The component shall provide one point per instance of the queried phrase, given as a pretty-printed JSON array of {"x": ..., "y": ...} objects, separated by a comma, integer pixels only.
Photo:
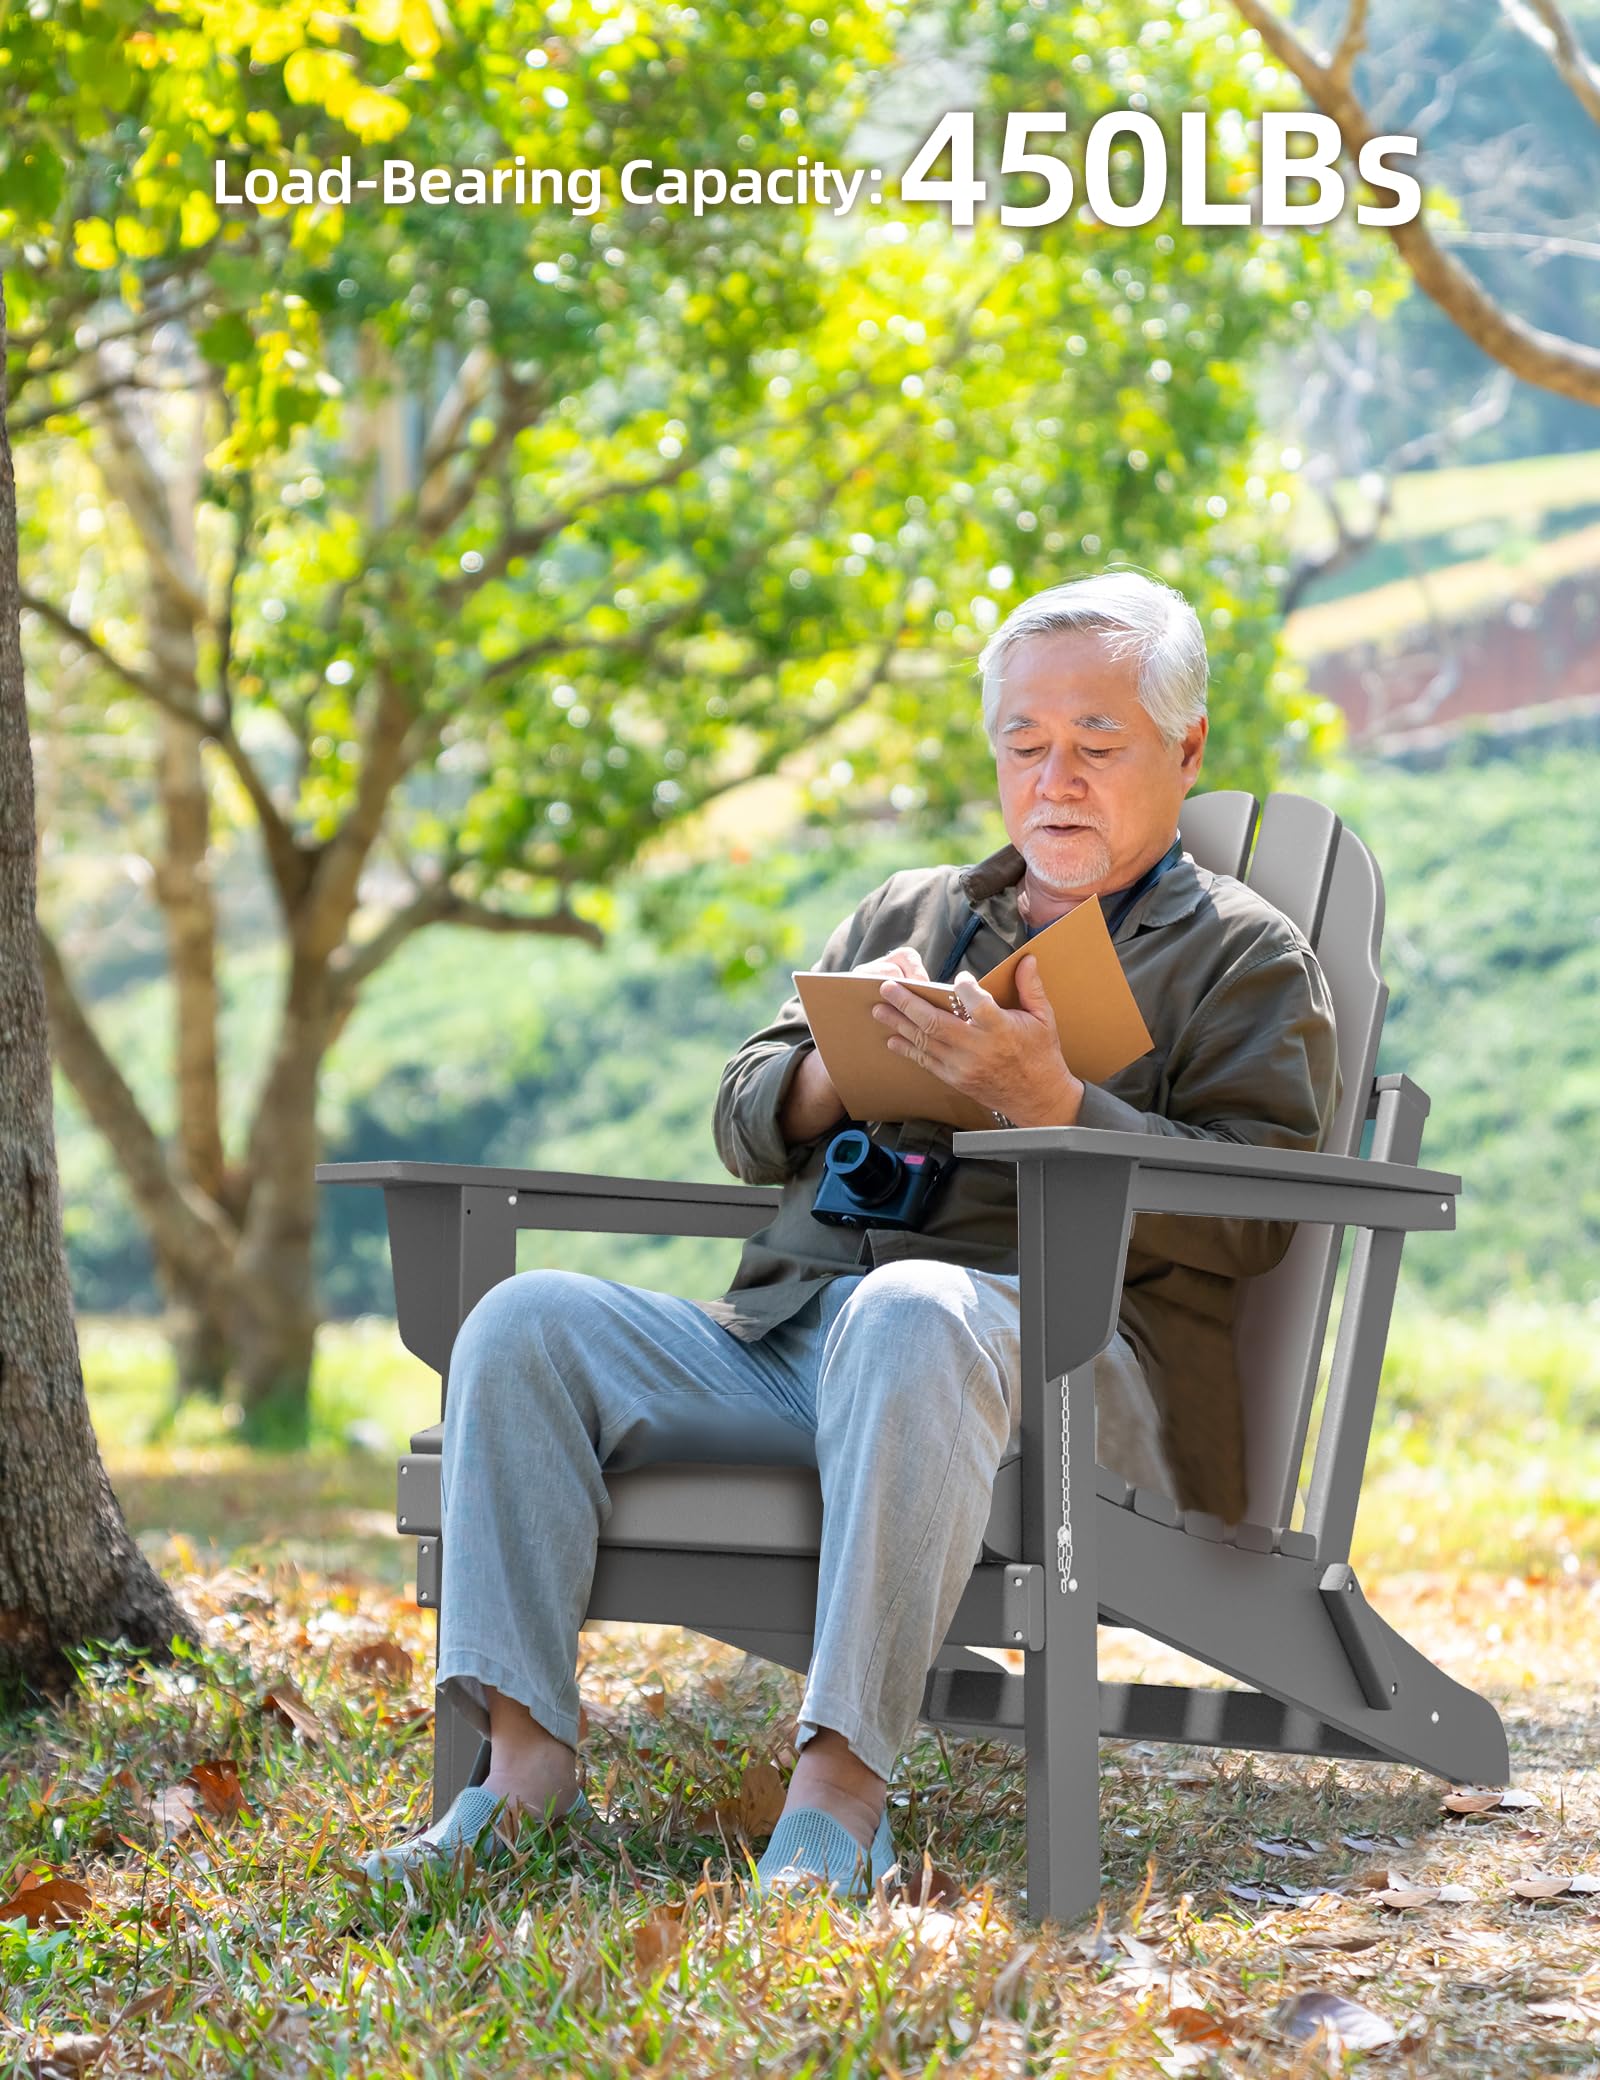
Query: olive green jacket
[{"x": 1244, "y": 1051}]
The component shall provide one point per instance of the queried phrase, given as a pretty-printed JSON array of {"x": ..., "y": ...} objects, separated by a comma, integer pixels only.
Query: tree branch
[
  {"x": 384, "y": 760},
  {"x": 1543, "y": 23},
  {"x": 188, "y": 1227},
  {"x": 1567, "y": 367},
  {"x": 137, "y": 681}
]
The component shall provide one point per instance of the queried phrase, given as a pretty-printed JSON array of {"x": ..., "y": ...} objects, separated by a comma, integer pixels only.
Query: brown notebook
[{"x": 1099, "y": 1023}]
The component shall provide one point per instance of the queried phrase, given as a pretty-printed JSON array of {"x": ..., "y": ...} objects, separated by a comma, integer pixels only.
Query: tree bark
[{"x": 69, "y": 1568}]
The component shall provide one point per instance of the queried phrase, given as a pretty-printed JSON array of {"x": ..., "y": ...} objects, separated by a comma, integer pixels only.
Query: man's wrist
[{"x": 1057, "y": 1108}]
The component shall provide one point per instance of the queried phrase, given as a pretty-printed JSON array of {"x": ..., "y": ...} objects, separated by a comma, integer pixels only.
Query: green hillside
[{"x": 494, "y": 1051}]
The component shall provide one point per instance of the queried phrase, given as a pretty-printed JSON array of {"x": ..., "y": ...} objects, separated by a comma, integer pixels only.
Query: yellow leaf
[
  {"x": 379, "y": 20},
  {"x": 277, "y": 37},
  {"x": 197, "y": 219},
  {"x": 419, "y": 32},
  {"x": 93, "y": 245},
  {"x": 315, "y": 75},
  {"x": 372, "y": 116}
]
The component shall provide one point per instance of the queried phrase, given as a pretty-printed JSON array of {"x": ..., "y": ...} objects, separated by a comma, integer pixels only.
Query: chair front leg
[
  {"x": 1073, "y": 1221},
  {"x": 1061, "y": 1691}
]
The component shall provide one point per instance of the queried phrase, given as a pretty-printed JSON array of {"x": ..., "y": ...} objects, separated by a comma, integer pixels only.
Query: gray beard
[{"x": 1093, "y": 870}]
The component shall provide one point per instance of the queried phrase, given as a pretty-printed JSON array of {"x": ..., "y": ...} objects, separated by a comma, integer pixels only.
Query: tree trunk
[
  {"x": 69, "y": 1569},
  {"x": 274, "y": 1284}
]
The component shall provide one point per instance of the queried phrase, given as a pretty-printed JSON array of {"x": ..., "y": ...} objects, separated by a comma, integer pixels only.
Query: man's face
[{"x": 1088, "y": 807}]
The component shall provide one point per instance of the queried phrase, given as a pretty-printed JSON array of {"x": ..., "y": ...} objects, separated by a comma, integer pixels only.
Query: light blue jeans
[{"x": 899, "y": 1384}]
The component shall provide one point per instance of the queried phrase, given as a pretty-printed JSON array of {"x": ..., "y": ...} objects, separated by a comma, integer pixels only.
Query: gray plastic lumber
[
  {"x": 1361, "y": 1633},
  {"x": 986, "y": 1704},
  {"x": 1262, "y": 1619},
  {"x": 459, "y": 1750},
  {"x": 559, "y": 1183},
  {"x": 1340, "y": 1461},
  {"x": 1281, "y": 1318},
  {"x": 453, "y": 1228},
  {"x": 1269, "y": 1184},
  {"x": 1292, "y": 864},
  {"x": 776, "y": 1593},
  {"x": 1216, "y": 829},
  {"x": 1072, "y": 1242}
]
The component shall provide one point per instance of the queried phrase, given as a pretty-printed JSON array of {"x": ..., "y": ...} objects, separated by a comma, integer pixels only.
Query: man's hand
[
  {"x": 811, "y": 1104},
  {"x": 1009, "y": 1061}
]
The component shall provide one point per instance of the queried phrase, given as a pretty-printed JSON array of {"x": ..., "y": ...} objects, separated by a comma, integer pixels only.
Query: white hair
[{"x": 1140, "y": 617}]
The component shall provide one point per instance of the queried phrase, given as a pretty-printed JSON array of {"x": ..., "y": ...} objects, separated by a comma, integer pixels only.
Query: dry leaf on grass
[
  {"x": 923, "y": 1884},
  {"x": 1370, "y": 1844},
  {"x": 285, "y": 1705},
  {"x": 45, "y": 1901},
  {"x": 1399, "y": 1898},
  {"x": 1346, "y": 2025},
  {"x": 216, "y": 1780},
  {"x": 385, "y": 1659},
  {"x": 753, "y": 1809},
  {"x": 1469, "y": 1802},
  {"x": 1288, "y": 1845},
  {"x": 66, "y": 2058},
  {"x": 1389, "y": 1880},
  {"x": 159, "y": 2001},
  {"x": 173, "y": 1809},
  {"x": 1540, "y": 1885},
  {"x": 658, "y": 1937},
  {"x": 1198, "y": 2026}
]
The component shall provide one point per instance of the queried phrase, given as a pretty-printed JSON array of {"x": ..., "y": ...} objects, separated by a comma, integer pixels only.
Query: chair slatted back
[{"x": 1319, "y": 874}]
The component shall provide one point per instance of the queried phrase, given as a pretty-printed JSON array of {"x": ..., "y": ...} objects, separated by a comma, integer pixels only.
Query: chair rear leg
[{"x": 460, "y": 1750}]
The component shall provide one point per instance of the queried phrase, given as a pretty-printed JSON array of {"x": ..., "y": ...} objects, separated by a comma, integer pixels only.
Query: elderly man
[{"x": 888, "y": 1357}]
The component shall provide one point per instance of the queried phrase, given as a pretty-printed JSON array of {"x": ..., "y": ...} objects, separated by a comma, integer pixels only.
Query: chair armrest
[
  {"x": 561, "y": 1183},
  {"x": 1172, "y": 1174},
  {"x": 453, "y": 1228}
]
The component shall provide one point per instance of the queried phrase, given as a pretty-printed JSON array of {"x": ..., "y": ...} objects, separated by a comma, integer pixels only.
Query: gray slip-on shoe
[
  {"x": 468, "y": 1823},
  {"x": 810, "y": 1847}
]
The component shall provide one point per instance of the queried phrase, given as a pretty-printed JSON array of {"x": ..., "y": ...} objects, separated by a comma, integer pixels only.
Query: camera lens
[{"x": 868, "y": 1172}]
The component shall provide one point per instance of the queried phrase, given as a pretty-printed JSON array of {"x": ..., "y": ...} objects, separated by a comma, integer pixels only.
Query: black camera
[{"x": 865, "y": 1186}]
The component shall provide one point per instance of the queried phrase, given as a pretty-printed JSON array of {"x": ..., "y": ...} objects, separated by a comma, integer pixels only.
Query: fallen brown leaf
[
  {"x": 66, "y": 2057},
  {"x": 754, "y": 1808},
  {"x": 43, "y": 1901},
  {"x": 658, "y": 1937},
  {"x": 923, "y": 1884},
  {"x": 283, "y": 1704},
  {"x": 403, "y": 1714},
  {"x": 1536, "y": 1885},
  {"x": 1287, "y": 1845},
  {"x": 217, "y": 1782},
  {"x": 1198, "y": 2026},
  {"x": 1399, "y": 1898},
  {"x": 1470, "y": 1801},
  {"x": 384, "y": 1658},
  {"x": 1382, "y": 1881},
  {"x": 1345, "y": 2023},
  {"x": 158, "y": 2001}
]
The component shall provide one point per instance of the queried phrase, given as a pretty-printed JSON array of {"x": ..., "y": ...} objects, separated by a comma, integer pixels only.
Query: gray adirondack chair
[{"x": 731, "y": 1551}]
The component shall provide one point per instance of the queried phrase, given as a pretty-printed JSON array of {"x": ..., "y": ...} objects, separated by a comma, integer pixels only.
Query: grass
[
  {"x": 1516, "y": 494},
  {"x": 242, "y": 1944}
]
